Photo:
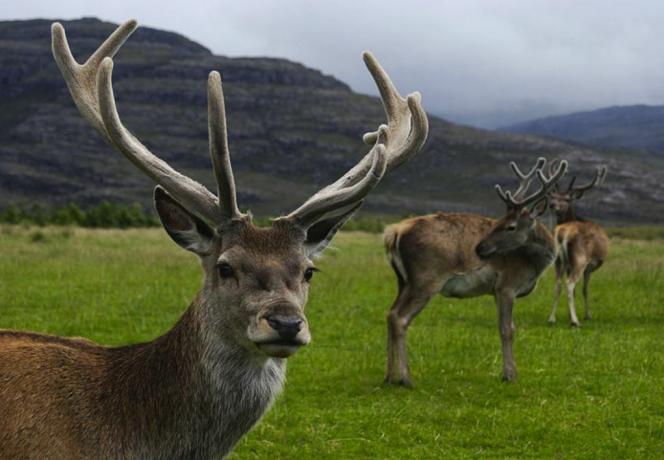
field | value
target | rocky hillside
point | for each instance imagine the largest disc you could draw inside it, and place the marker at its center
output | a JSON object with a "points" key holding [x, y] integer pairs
{"points": [[291, 129], [631, 127]]}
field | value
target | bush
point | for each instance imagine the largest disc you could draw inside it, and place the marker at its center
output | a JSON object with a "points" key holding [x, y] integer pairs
{"points": [[104, 215]]}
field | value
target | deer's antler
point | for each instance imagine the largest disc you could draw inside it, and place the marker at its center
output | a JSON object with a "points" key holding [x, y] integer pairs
{"points": [[517, 202], [526, 179], [90, 85], [600, 175], [393, 144]]}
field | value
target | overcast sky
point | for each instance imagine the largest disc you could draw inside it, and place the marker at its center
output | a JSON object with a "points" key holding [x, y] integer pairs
{"points": [[487, 63]]}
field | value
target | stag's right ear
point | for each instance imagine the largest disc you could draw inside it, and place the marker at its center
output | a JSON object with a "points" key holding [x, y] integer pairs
{"points": [[187, 230]]}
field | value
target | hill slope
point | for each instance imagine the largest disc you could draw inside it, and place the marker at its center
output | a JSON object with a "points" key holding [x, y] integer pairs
{"points": [[633, 127], [291, 130]]}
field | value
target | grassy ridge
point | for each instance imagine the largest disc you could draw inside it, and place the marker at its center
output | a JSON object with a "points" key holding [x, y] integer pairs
{"points": [[587, 393]]}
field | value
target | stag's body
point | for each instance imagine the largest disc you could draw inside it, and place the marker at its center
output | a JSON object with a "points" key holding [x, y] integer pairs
{"points": [[193, 392], [446, 253], [184, 395], [582, 247]]}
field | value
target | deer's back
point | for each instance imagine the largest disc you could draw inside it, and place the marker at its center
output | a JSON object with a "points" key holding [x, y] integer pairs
{"points": [[435, 245], [47, 391], [585, 236]]}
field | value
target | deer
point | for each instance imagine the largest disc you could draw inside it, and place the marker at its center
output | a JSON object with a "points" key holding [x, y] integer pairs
{"points": [[461, 255], [194, 391], [582, 245]]}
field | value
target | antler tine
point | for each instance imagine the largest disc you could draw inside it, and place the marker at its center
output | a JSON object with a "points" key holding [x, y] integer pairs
{"points": [[547, 183], [512, 200], [190, 194], [526, 179], [219, 151], [397, 141], [81, 79], [571, 184], [91, 88], [600, 175], [312, 211]]}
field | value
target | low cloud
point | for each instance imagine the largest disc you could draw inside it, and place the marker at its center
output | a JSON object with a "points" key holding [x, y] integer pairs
{"points": [[483, 62]]}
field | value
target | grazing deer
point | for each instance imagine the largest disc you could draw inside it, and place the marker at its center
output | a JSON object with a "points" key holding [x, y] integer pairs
{"points": [[467, 255], [196, 390], [582, 245]]}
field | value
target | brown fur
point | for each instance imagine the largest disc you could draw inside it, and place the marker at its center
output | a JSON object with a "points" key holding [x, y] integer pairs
{"points": [[582, 248], [437, 254], [191, 393]]}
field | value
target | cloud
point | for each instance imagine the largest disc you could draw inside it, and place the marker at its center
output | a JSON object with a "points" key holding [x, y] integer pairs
{"points": [[490, 62]]}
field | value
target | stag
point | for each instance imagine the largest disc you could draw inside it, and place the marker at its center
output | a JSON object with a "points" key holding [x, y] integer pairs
{"points": [[582, 245], [197, 389], [468, 255]]}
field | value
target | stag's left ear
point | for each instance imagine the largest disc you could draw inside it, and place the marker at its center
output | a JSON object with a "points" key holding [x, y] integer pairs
{"points": [[187, 230], [320, 234]]}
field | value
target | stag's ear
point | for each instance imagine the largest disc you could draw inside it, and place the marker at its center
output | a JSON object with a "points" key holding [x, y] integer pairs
{"points": [[320, 234], [184, 228], [540, 208]]}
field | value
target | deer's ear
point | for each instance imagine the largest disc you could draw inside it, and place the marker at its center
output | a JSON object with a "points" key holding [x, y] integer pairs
{"points": [[540, 208], [187, 230], [320, 234]]}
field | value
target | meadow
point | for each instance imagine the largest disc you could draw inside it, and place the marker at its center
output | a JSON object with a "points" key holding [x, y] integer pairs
{"points": [[592, 392]]}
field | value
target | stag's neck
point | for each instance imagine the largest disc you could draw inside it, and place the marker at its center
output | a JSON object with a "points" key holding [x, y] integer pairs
{"points": [[191, 393], [541, 249], [569, 216]]}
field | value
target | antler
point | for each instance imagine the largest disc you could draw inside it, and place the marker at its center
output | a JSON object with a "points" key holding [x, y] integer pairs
{"points": [[600, 175], [513, 201], [393, 144], [526, 179], [90, 85]]}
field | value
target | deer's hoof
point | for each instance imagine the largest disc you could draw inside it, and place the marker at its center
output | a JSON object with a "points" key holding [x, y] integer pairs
{"points": [[399, 381], [575, 324], [551, 321], [509, 378]]}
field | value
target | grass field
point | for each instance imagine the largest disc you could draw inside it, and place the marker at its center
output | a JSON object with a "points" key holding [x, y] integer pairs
{"points": [[592, 392]]}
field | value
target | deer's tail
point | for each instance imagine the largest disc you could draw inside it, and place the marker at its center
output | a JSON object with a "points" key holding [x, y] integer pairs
{"points": [[391, 238]]}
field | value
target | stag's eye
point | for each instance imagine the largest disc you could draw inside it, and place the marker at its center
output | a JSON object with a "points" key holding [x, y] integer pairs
{"points": [[309, 273], [225, 270], [511, 228]]}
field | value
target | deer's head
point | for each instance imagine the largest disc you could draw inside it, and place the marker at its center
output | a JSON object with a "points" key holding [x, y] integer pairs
{"points": [[256, 279], [517, 226], [561, 202]]}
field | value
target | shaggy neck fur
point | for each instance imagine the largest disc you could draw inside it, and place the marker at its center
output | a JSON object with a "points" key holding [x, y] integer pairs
{"points": [[189, 393], [541, 250]]}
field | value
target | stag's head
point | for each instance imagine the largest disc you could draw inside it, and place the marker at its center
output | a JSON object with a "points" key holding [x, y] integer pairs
{"points": [[517, 227], [561, 201], [256, 279]]}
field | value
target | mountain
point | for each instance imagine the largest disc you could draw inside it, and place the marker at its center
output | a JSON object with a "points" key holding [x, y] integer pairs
{"points": [[631, 127], [291, 130]]}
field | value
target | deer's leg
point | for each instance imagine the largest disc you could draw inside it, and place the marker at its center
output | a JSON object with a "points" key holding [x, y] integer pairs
{"points": [[586, 281], [504, 304], [391, 374], [557, 289], [407, 306], [572, 279]]}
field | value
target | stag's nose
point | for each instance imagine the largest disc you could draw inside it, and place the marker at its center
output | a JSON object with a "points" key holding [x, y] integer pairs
{"points": [[482, 250], [286, 326]]}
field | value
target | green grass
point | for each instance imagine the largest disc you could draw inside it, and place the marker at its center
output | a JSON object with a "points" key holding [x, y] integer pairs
{"points": [[592, 392]]}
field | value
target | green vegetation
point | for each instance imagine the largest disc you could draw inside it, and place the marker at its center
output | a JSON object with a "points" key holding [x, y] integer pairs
{"points": [[104, 215], [592, 392], [647, 233]]}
